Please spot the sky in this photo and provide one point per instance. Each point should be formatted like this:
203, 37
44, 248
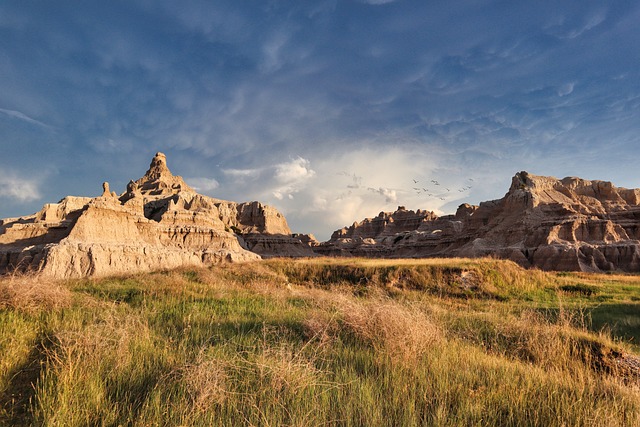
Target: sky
329, 110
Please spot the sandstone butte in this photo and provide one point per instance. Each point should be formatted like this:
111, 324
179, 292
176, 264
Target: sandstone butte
542, 222
159, 222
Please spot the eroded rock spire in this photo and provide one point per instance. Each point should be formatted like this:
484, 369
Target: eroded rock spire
158, 180
158, 167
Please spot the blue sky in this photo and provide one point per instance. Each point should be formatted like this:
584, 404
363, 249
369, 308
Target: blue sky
328, 110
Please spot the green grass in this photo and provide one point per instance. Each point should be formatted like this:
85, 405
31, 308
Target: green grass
322, 342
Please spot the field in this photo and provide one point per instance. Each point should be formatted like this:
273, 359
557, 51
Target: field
345, 342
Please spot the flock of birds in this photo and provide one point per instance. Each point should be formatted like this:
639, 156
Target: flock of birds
430, 193
435, 190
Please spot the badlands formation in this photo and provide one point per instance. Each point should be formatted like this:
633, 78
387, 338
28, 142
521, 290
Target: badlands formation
543, 222
159, 222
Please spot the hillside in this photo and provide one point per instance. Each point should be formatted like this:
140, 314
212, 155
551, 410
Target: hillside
323, 342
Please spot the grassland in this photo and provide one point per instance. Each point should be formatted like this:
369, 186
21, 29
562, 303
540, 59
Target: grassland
354, 342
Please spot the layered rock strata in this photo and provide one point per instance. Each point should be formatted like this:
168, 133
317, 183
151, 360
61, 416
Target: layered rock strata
159, 222
543, 222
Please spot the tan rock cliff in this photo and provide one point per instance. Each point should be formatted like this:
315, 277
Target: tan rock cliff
159, 222
544, 222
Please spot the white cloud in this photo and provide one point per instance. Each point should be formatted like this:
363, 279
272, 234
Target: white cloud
21, 116
566, 89
272, 182
291, 177
17, 188
111, 145
349, 185
272, 52
591, 23
390, 195
294, 171
574, 25
242, 173
203, 184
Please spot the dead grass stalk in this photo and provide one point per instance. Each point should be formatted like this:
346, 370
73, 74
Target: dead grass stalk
31, 293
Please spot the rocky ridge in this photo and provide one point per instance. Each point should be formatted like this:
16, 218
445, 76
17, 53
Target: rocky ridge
543, 222
159, 222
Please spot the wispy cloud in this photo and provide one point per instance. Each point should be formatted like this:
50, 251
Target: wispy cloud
18, 188
575, 25
242, 173
203, 185
21, 116
566, 89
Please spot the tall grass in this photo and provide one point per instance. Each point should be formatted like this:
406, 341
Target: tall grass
30, 293
466, 278
314, 342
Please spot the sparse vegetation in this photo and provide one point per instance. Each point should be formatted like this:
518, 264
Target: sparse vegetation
323, 342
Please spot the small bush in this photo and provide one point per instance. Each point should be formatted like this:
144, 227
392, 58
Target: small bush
579, 288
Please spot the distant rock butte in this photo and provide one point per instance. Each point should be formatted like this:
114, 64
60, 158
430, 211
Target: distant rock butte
159, 222
543, 222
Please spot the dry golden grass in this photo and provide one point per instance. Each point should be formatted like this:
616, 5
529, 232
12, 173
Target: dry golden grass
607, 277
466, 278
286, 369
288, 342
206, 381
110, 337
32, 293
400, 331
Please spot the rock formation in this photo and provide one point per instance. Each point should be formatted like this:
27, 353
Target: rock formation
544, 222
159, 222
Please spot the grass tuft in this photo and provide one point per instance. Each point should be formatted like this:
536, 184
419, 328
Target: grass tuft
32, 293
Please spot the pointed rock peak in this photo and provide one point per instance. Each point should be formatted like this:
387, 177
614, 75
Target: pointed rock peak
532, 183
158, 167
520, 181
158, 181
